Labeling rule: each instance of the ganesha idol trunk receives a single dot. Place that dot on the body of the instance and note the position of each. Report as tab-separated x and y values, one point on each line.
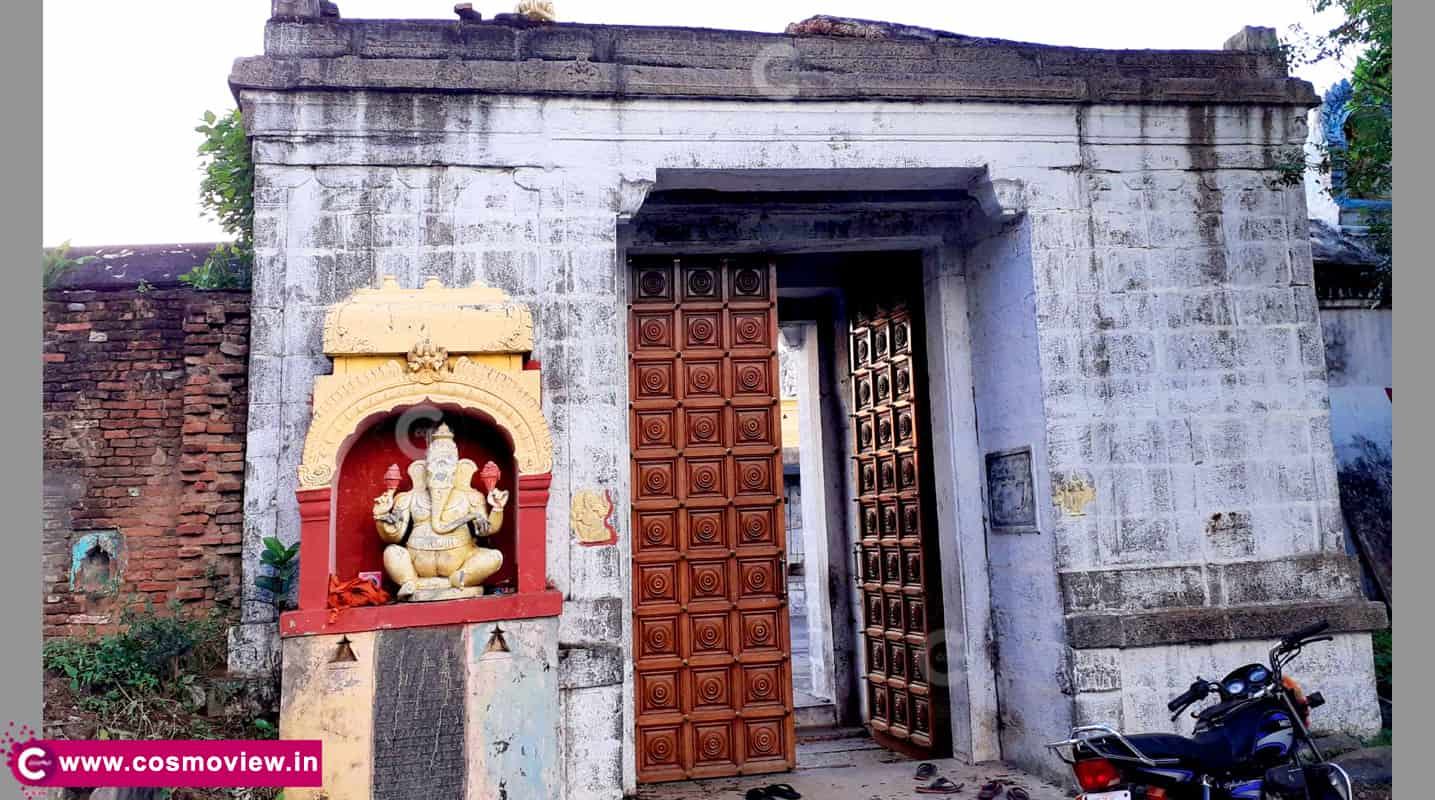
427	384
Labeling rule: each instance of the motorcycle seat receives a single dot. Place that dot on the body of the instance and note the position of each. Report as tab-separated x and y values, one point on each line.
1210	750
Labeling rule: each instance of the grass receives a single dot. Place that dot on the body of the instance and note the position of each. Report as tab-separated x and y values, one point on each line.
154	678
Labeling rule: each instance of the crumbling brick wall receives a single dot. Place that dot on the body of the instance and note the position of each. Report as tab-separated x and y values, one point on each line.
145	403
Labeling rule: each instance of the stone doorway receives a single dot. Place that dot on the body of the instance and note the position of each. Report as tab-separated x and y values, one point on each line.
851	670
817	227
727	665
810	610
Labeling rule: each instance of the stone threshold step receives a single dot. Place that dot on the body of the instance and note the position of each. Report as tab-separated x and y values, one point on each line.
816	716
828	733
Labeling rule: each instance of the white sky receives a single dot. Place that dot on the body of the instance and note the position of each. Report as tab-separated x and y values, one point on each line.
126	82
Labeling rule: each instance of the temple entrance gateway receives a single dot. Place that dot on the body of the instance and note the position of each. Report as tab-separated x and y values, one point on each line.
712	656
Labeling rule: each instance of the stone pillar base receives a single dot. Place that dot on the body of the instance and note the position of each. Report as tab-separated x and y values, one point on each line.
461	712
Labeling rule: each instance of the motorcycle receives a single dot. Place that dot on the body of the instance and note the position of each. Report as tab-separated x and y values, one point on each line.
1248	746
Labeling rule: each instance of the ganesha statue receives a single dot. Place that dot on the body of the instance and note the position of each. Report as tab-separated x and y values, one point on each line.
436	531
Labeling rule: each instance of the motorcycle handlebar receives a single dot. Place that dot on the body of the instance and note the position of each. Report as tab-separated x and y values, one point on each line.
1198	691
1304	633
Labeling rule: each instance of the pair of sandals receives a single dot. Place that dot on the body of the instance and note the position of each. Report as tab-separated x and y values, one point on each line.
993	789
930	783
776	790
939	785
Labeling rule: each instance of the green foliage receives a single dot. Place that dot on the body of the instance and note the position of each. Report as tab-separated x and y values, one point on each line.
57	262
1369	131
226	267
155	679
1366	160
148	653
1382	642
265	729
1384	662
282	564
227	195
1290	166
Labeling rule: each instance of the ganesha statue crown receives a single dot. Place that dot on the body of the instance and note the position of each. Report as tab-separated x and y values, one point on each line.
436	531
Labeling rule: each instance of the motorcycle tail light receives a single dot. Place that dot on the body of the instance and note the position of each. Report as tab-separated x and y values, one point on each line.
1095	774
1155	793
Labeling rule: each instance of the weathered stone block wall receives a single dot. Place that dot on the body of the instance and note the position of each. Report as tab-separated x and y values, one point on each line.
547	240
1181	381
145	400
1188	418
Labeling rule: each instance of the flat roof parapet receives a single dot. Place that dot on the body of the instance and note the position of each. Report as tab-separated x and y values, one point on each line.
619	61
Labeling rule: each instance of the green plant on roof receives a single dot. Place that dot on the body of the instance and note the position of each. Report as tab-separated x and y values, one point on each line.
227	195
57	262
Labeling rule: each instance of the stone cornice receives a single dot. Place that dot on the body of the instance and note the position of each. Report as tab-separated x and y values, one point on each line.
1234	623
628	62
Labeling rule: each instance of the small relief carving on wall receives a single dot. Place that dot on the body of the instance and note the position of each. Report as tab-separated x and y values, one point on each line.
427	361
1011	492
592	518
1073	494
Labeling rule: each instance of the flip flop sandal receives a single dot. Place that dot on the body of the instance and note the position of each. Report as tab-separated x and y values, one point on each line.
990	791
926	772
1017	793
783	790
940	786
756	794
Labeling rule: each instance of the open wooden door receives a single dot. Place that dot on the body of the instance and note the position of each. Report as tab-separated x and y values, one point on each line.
899	571
710	635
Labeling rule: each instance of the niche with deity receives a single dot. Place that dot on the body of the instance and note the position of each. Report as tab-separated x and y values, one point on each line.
427	463
417	493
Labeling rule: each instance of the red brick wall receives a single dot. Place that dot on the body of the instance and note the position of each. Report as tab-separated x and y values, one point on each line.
145	400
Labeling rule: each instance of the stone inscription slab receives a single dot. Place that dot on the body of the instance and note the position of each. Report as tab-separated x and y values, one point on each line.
419	745
1011	493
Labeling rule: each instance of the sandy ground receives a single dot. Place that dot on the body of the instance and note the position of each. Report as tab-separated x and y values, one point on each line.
855	769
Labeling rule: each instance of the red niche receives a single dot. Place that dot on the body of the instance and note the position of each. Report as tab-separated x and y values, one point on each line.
357	547
337	534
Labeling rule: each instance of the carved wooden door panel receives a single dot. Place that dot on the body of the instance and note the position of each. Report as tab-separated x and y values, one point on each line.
899	572
710	636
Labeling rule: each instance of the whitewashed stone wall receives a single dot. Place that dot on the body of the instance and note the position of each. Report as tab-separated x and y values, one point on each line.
323	232
1176	334
1358	347
1130	687
1027	618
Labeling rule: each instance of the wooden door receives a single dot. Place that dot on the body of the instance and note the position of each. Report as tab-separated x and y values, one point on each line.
710	635
899	571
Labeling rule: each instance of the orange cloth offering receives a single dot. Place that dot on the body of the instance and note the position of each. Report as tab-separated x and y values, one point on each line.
353	593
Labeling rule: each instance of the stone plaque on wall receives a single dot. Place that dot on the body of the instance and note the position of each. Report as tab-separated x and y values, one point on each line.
1011	492
420	747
